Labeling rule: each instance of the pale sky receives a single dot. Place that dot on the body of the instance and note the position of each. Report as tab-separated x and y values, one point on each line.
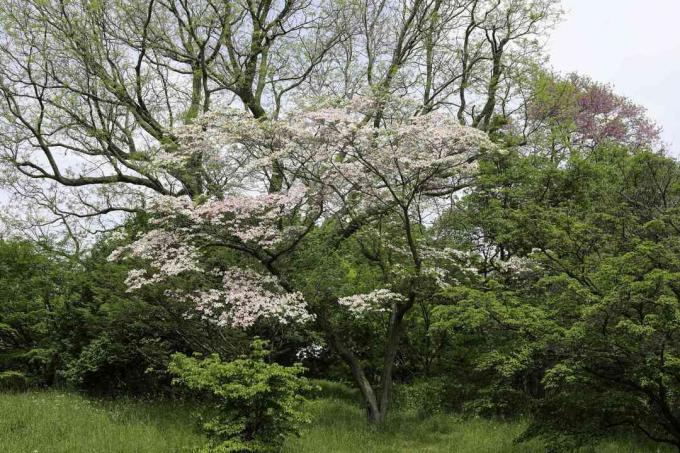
632	44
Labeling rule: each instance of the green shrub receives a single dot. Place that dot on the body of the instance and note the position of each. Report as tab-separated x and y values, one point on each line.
422	397
13	381
336	390
256	404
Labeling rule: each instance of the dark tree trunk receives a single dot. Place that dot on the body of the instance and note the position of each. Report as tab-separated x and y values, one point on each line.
377	406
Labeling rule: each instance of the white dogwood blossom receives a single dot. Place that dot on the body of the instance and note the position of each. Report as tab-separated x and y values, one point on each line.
244	297
168	254
373	302
333	164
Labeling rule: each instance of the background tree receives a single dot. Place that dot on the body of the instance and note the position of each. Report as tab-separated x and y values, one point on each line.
93	90
30	294
588	316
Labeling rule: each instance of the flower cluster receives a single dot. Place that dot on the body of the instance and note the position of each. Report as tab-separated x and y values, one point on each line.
252	219
331	161
374	302
246	296
516	265
167	253
428	154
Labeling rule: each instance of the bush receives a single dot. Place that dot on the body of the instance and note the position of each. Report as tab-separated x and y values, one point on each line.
326	389
255	404
13	381
422	397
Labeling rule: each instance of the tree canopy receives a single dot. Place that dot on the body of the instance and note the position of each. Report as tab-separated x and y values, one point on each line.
396	193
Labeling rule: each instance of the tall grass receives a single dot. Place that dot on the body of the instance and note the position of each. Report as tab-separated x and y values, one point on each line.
51	422
340	427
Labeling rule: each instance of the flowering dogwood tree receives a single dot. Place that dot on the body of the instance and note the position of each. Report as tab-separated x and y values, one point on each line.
338	170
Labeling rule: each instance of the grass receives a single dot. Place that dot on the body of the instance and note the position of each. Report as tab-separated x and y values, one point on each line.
340	427
52	422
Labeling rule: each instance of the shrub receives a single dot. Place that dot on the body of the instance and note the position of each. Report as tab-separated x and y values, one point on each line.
13	381
326	389
423	397
256	404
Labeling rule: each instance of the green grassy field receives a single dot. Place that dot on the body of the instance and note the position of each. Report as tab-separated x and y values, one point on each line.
51	422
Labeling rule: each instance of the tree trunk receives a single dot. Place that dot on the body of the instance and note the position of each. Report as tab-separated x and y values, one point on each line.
376	408
391	349
367	392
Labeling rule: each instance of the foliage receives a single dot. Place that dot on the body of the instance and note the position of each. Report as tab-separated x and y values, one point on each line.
424	397
257	404
585	337
64	322
612	280
12	381
113	342
579	112
333	390
30	294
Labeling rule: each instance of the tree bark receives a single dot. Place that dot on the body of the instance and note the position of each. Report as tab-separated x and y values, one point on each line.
377	406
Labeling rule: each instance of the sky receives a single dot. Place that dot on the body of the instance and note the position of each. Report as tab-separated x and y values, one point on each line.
633	45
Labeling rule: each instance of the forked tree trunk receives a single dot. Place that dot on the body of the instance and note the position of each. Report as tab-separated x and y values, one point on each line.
377	405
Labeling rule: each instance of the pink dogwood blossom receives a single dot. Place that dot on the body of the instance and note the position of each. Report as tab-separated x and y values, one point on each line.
335	165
